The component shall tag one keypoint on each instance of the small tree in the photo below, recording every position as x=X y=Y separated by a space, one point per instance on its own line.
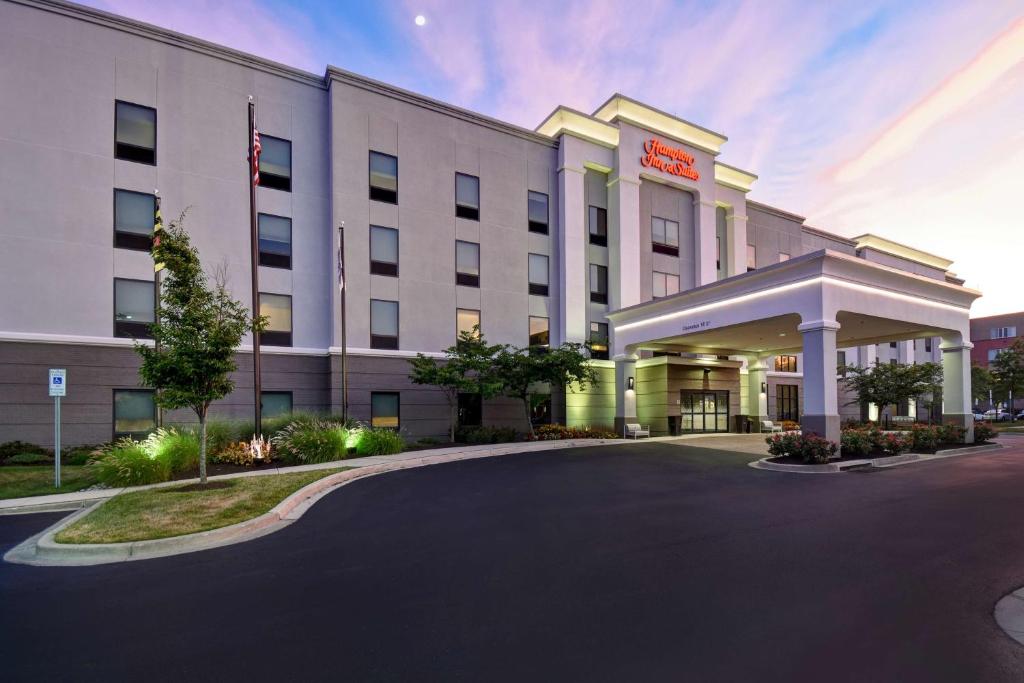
x=197 y=329
x=518 y=370
x=464 y=369
x=981 y=383
x=1008 y=372
x=891 y=384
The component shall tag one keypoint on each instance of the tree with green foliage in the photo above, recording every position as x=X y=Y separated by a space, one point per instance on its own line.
x=886 y=384
x=197 y=330
x=519 y=370
x=982 y=382
x=1008 y=372
x=464 y=369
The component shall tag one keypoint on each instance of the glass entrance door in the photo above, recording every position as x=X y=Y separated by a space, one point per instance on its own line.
x=704 y=411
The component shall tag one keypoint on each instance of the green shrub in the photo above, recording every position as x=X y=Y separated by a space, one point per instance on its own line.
x=28 y=459
x=478 y=435
x=554 y=432
x=9 y=448
x=951 y=433
x=925 y=438
x=79 y=455
x=983 y=432
x=895 y=443
x=809 y=448
x=127 y=463
x=379 y=442
x=428 y=441
x=179 y=450
x=304 y=442
x=856 y=443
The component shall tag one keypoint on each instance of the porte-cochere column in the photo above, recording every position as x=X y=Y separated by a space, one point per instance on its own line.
x=821 y=392
x=956 y=384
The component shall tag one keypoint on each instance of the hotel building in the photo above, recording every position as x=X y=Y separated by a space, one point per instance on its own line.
x=706 y=311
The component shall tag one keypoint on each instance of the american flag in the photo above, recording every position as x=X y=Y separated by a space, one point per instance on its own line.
x=158 y=227
x=341 y=265
x=255 y=156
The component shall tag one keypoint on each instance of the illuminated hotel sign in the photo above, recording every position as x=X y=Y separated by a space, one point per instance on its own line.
x=669 y=159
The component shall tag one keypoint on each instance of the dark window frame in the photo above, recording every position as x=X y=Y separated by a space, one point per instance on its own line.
x=599 y=239
x=125 y=329
x=381 y=194
x=279 y=337
x=115 y=435
x=467 y=279
x=268 y=259
x=383 y=341
x=470 y=404
x=156 y=137
x=536 y=226
x=597 y=296
x=787 y=402
x=530 y=335
x=538 y=288
x=463 y=210
x=479 y=320
x=385 y=268
x=665 y=247
x=133 y=240
x=398 y=415
x=277 y=182
x=599 y=340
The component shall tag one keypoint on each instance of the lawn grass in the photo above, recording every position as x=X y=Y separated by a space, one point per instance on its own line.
x=178 y=510
x=19 y=481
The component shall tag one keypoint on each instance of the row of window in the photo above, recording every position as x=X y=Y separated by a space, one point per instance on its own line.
x=752 y=257
x=135 y=409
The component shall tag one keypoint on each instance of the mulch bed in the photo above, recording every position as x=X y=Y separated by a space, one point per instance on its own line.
x=790 y=460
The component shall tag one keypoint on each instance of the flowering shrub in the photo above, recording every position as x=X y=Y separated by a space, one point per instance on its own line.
x=856 y=442
x=555 y=432
x=790 y=426
x=810 y=448
x=951 y=433
x=245 y=454
x=983 y=432
x=924 y=438
x=895 y=443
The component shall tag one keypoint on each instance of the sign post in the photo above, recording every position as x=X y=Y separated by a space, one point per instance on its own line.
x=58 y=388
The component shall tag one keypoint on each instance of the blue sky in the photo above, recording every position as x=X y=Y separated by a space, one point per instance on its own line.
x=901 y=118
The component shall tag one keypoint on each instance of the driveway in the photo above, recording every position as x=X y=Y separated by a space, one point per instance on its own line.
x=641 y=562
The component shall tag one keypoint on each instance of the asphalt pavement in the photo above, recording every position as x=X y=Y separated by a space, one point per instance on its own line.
x=641 y=562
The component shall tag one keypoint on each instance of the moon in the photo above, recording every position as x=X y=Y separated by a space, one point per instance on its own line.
x=420 y=20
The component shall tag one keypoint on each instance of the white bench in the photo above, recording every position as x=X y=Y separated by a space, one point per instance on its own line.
x=636 y=430
x=769 y=426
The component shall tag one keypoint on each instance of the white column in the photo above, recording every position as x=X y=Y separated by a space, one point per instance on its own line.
x=572 y=246
x=624 y=271
x=869 y=354
x=956 y=384
x=757 y=391
x=704 y=231
x=736 y=253
x=821 y=393
x=625 y=395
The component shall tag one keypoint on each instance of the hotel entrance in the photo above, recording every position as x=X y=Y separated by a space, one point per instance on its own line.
x=704 y=411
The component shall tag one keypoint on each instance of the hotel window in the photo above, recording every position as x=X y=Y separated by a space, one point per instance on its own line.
x=275 y=241
x=383 y=178
x=466 y=319
x=751 y=257
x=467 y=196
x=537 y=205
x=275 y=163
x=134 y=216
x=992 y=353
x=785 y=364
x=598 y=284
x=892 y=345
x=134 y=413
x=383 y=251
x=384 y=409
x=599 y=340
x=540 y=409
x=721 y=231
x=467 y=263
x=787 y=402
x=383 y=324
x=538 y=274
x=841 y=363
x=928 y=345
x=135 y=133
x=275 y=403
x=783 y=257
x=665 y=236
x=1003 y=332
x=540 y=331
x=278 y=309
x=133 y=308
x=665 y=284
x=471 y=410
x=597 y=225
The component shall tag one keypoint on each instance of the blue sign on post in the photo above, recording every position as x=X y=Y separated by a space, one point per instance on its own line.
x=58 y=387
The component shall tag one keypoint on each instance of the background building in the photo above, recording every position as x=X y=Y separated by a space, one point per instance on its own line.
x=451 y=218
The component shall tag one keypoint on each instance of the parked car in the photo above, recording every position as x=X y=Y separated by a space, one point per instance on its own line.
x=996 y=415
x=979 y=417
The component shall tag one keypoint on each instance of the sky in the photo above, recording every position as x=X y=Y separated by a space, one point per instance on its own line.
x=904 y=119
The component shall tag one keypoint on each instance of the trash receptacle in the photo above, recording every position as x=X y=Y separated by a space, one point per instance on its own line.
x=673 y=425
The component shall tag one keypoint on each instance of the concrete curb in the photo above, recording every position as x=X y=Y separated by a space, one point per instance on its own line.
x=894 y=461
x=43 y=550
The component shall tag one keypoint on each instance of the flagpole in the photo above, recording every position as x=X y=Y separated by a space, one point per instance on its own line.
x=157 y=221
x=253 y=166
x=344 y=344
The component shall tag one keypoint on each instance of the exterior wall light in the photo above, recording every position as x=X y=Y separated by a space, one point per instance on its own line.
x=764 y=387
x=630 y=383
